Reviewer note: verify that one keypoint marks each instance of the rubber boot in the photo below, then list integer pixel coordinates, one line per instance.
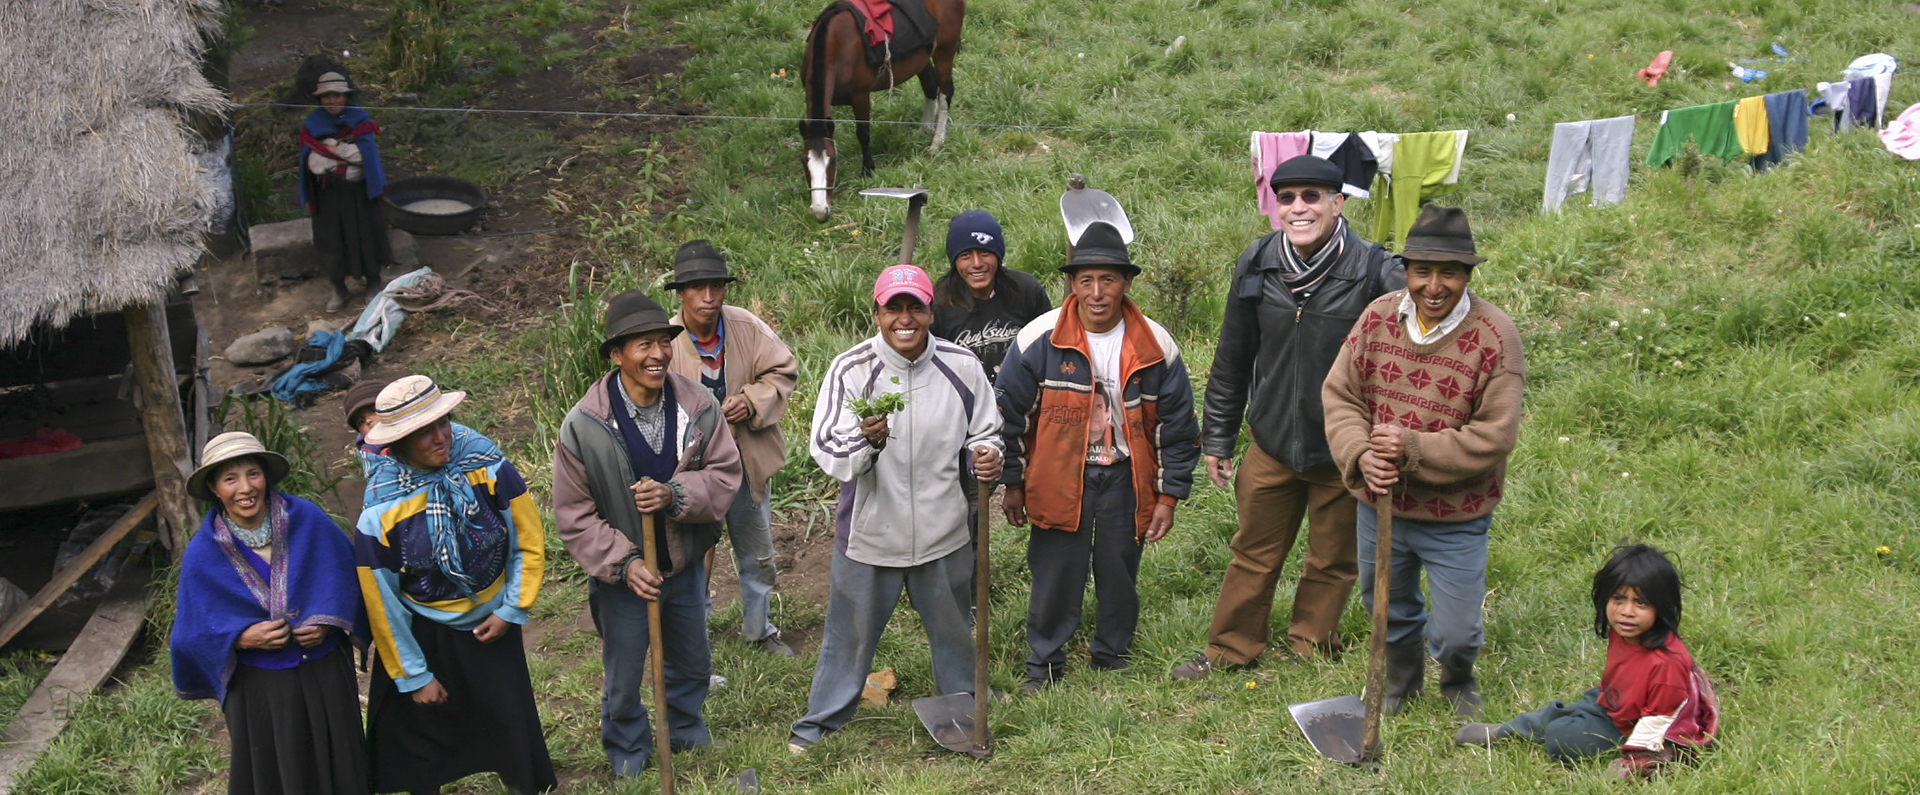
(340, 296)
(1406, 674)
(1458, 686)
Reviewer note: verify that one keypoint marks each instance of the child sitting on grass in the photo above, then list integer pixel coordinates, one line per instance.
(1653, 703)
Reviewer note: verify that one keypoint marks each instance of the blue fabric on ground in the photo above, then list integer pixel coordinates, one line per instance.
(304, 378)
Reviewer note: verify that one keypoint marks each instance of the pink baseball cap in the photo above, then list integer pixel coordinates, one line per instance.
(902, 279)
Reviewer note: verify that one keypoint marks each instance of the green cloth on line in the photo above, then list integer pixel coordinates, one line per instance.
(1710, 127)
(1421, 164)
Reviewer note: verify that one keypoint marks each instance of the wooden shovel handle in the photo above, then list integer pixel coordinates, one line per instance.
(657, 661)
(1377, 653)
(982, 739)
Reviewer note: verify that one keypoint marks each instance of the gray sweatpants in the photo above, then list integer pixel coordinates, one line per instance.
(1589, 156)
(863, 599)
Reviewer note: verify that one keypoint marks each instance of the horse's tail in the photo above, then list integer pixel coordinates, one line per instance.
(819, 120)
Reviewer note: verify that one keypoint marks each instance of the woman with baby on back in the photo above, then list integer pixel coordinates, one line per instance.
(1654, 703)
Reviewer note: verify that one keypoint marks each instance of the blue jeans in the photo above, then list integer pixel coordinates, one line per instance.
(1570, 731)
(620, 616)
(750, 533)
(1454, 556)
(862, 600)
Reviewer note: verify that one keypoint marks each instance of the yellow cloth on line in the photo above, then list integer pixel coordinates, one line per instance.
(1750, 124)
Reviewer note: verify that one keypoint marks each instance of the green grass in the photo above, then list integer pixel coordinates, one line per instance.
(1723, 366)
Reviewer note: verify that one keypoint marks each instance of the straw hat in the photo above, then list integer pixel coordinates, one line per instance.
(407, 405)
(227, 447)
(332, 83)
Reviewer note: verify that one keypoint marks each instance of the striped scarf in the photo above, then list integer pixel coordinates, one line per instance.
(1303, 274)
(452, 511)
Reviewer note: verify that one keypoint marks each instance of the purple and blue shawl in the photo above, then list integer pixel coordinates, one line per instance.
(351, 123)
(221, 592)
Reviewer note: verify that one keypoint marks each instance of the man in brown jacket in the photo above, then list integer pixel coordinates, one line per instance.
(737, 357)
(1423, 404)
(644, 441)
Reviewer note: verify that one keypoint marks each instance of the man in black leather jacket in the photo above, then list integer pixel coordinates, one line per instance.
(1294, 295)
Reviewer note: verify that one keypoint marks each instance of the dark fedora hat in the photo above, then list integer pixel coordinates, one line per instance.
(633, 312)
(1441, 235)
(1101, 244)
(1307, 170)
(697, 261)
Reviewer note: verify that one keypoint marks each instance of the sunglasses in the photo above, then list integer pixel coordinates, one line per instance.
(1308, 196)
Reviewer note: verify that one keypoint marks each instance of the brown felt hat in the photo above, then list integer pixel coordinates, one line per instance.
(633, 312)
(1441, 234)
(698, 261)
(361, 397)
(1101, 245)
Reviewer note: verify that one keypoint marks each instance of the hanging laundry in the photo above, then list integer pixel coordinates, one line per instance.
(1424, 165)
(1589, 156)
(1902, 137)
(1270, 149)
(1786, 126)
(1862, 104)
(1750, 125)
(1710, 127)
(1354, 157)
(1382, 146)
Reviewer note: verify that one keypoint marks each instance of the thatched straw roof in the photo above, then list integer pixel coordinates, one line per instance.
(102, 202)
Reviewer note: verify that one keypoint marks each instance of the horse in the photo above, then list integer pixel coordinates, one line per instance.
(834, 71)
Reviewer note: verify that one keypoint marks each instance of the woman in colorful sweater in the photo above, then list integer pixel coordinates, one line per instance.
(451, 553)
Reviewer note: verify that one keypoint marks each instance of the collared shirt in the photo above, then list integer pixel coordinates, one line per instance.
(1411, 314)
(652, 418)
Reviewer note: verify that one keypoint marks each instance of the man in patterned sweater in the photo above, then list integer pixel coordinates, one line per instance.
(1424, 404)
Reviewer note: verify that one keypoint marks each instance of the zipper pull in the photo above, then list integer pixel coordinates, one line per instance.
(1296, 314)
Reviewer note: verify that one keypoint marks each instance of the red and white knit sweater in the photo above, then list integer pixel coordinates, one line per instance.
(1459, 398)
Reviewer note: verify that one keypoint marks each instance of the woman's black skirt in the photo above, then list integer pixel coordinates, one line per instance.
(350, 230)
(489, 722)
(297, 730)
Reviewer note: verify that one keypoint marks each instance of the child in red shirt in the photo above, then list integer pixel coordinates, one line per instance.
(1653, 703)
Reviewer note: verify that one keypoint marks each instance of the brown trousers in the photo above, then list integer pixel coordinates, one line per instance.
(1272, 498)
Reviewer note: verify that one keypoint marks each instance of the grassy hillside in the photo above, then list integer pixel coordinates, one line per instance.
(1723, 366)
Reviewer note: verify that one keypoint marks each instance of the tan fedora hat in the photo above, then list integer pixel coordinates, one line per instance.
(332, 83)
(407, 405)
(227, 447)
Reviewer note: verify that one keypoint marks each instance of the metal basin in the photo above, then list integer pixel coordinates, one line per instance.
(434, 205)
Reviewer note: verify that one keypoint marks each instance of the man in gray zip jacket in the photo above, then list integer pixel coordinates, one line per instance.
(1294, 295)
(902, 518)
(645, 441)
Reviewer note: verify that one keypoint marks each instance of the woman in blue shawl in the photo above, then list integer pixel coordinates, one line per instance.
(341, 181)
(451, 552)
(268, 605)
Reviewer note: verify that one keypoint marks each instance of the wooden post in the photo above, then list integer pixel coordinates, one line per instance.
(152, 351)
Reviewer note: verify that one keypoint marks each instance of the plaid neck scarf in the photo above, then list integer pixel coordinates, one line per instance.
(1303, 274)
(452, 510)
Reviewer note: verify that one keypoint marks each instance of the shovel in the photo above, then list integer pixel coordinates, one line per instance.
(958, 721)
(1081, 207)
(916, 198)
(1345, 729)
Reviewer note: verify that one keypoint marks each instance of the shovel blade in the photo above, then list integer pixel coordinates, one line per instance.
(895, 193)
(949, 719)
(1333, 726)
(1083, 207)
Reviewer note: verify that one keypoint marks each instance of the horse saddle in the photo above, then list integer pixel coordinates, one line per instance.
(894, 28)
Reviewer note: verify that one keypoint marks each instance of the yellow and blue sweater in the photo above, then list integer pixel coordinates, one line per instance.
(509, 554)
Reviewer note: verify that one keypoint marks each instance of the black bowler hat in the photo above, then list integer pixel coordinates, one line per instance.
(633, 312)
(1100, 244)
(1307, 170)
(697, 261)
(1441, 235)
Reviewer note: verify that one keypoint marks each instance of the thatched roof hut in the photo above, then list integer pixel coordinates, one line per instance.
(102, 201)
